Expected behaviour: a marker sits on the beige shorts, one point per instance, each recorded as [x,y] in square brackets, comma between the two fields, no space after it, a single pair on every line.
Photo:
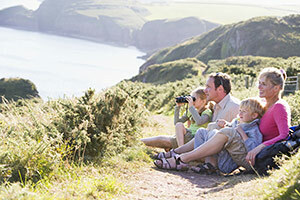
[187,137]
[235,147]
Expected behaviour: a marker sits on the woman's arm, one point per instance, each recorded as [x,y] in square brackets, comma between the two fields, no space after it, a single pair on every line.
[199,119]
[281,118]
[252,154]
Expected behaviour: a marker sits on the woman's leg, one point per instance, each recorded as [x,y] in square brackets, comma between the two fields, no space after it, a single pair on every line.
[158,141]
[180,131]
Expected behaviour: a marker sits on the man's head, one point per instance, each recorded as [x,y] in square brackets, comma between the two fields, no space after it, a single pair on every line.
[217,86]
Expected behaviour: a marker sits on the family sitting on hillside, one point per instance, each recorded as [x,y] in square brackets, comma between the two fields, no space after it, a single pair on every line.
[237,132]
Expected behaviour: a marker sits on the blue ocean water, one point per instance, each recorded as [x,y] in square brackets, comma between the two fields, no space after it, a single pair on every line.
[61,66]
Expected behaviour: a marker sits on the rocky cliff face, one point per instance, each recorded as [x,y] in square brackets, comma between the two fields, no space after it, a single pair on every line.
[119,22]
[18,17]
[159,34]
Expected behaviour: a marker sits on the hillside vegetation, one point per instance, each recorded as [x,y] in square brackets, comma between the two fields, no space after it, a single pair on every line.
[171,71]
[260,36]
[238,67]
[17,88]
[64,149]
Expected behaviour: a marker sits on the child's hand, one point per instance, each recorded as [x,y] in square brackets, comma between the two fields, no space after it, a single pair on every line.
[190,100]
[189,122]
[221,123]
[179,104]
[241,132]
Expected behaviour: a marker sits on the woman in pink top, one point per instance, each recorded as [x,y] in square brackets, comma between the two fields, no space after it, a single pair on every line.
[274,124]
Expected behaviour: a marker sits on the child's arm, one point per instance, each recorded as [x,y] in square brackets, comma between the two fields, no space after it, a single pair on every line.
[253,134]
[183,119]
[241,132]
[199,119]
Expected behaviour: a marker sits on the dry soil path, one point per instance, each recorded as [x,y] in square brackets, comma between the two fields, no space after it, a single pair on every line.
[152,183]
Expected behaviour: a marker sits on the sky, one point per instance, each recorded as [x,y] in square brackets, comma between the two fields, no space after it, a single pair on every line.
[256,2]
[33,4]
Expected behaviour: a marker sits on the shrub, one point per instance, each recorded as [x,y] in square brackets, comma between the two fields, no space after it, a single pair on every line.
[37,136]
[17,88]
[294,102]
[95,126]
[29,146]
[160,98]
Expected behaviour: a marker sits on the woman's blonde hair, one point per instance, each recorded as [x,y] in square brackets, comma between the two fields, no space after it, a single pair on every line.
[254,105]
[275,76]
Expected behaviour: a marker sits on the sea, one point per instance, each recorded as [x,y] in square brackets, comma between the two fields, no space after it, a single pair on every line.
[64,67]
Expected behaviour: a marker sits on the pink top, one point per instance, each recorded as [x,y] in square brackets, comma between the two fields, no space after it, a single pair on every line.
[274,125]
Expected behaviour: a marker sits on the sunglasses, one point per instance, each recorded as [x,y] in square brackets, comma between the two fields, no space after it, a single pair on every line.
[219,74]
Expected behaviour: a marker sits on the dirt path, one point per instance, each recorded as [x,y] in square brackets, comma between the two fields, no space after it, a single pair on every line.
[152,183]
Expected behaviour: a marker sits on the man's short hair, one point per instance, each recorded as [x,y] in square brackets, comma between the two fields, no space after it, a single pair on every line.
[222,79]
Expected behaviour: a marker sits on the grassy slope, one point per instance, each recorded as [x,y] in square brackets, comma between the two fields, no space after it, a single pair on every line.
[104,180]
[126,13]
[279,38]
[17,88]
[171,71]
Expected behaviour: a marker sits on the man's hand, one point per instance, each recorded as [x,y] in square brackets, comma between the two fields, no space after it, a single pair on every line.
[221,123]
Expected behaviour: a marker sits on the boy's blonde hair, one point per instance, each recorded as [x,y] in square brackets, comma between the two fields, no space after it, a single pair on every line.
[254,105]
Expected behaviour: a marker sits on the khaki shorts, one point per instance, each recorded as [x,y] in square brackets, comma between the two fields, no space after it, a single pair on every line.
[187,137]
[235,147]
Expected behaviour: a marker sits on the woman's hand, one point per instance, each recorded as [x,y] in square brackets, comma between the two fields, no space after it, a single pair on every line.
[190,101]
[252,154]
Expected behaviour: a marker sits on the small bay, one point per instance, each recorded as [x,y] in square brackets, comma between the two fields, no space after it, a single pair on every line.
[61,66]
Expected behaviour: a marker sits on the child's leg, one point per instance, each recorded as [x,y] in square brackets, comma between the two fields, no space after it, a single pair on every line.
[180,131]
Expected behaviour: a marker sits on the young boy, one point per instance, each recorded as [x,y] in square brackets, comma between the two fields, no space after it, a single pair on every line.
[243,135]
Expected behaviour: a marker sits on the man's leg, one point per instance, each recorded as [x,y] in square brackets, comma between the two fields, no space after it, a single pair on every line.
[189,146]
[158,141]
[213,146]
[202,136]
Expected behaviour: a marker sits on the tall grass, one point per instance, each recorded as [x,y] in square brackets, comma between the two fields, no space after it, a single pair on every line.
[38,137]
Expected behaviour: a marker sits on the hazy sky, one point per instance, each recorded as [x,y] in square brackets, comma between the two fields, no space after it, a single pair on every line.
[33,4]
[257,2]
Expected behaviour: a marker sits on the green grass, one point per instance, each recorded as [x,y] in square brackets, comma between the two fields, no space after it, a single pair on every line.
[64,149]
[125,13]
[171,71]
